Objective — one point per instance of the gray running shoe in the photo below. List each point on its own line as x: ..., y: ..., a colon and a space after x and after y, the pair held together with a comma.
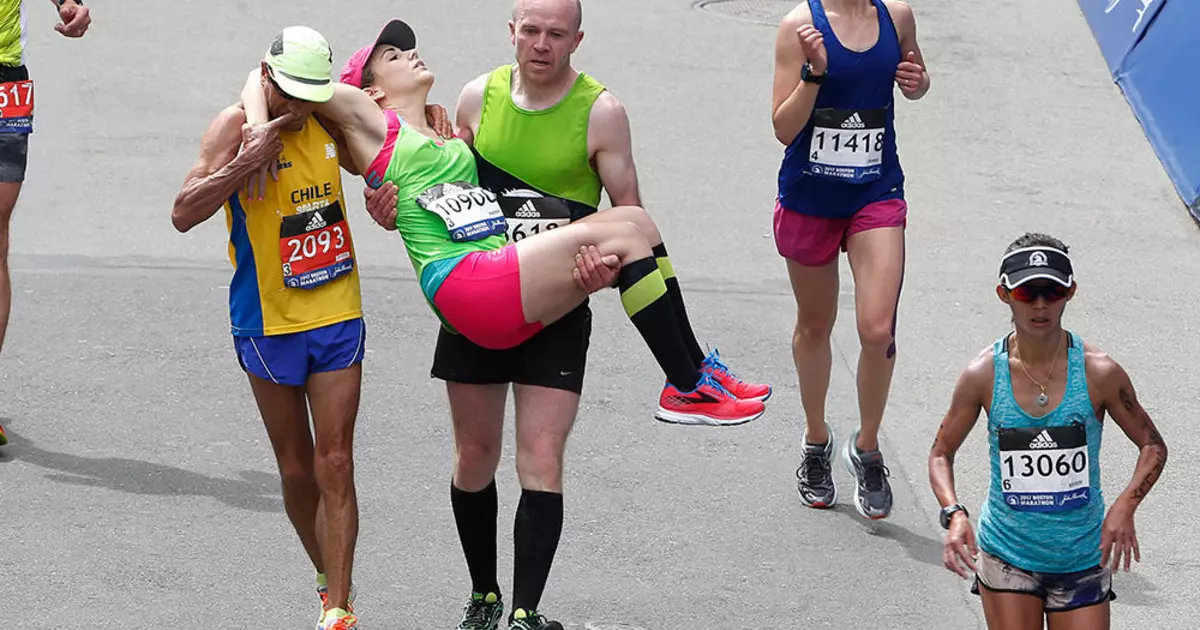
x: 814, y: 477
x: 872, y: 492
x: 482, y: 612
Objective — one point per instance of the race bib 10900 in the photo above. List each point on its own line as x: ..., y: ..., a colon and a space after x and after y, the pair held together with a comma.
x: 847, y: 144
x: 1045, y: 469
x: 470, y: 213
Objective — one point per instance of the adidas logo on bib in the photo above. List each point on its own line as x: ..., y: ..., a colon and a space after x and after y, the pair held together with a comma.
x: 316, y: 223
x: 854, y: 122
x: 527, y: 211
x: 1043, y: 440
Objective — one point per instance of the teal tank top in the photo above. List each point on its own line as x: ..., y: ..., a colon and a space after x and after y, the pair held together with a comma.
x: 1044, y: 510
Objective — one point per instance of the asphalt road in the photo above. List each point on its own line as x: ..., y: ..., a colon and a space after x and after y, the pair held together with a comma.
x: 139, y: 490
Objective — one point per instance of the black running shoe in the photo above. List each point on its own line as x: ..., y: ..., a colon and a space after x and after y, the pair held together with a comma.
x: 482, y: 612
x: 872, y: 492
x: 522, y: 619
x: 814, y: 477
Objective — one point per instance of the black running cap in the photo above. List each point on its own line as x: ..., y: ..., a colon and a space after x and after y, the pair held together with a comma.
x: 399, y: 34
x: 1036, y: 263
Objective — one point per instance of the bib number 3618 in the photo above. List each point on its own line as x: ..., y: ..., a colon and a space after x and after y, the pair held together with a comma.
x: 314, y: 247
x: 1045, y: 469
x: 16, y: 107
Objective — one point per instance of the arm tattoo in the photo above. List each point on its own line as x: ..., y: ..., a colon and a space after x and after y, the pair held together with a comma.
x: 1129, y: 401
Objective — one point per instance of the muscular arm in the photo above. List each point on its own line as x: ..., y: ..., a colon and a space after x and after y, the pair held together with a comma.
x: 611, y: 145
x: 217, y: 174
x: 906, y: 26
x: 1121, y: 403
x: 965, y: 405
x: 792, y: 100
x: 469, y: 109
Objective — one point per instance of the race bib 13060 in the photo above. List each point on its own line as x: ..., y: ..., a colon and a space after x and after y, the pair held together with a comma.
x: 1045, y: 469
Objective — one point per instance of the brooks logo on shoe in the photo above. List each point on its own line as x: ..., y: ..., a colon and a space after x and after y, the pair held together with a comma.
x: 1043, y: 440
x: 853, y: 122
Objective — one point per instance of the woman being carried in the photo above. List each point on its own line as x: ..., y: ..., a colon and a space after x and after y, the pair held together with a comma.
x: 498, y: 295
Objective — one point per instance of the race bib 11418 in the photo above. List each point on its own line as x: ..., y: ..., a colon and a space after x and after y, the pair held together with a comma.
x: 847, y: 144
x: 1045, y: 469
x: 470, y: 213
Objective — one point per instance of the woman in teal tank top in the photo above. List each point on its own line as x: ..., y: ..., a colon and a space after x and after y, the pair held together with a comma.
x: 1046, y: 551
x: 499, y: 295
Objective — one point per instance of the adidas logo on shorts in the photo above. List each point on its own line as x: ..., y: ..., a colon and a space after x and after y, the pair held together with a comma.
x: 1043, y: 440
x: 316, y: 223
x: 854, y: 122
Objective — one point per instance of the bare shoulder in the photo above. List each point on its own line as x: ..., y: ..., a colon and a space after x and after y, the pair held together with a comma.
x: 607, y: 112
x: 900, y: 10
x: 981, y: 370
x: 475, y: 87
x: 226, y: 127
x: 1103, y: 370
x: 797, y: 17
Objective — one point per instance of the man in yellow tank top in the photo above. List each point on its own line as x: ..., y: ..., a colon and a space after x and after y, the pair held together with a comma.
x: 294, y: 301
x: 16, y: 121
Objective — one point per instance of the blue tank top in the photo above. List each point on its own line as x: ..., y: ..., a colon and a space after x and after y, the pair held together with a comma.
x: 845, y: 157
x: 1044, y: 509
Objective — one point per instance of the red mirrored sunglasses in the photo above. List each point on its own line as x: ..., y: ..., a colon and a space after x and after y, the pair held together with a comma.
x: 1031, y: 291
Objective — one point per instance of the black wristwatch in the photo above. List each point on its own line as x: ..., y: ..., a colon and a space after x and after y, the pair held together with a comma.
x: 949, y: 511
x: 806, y: 74
x: 62, y: 2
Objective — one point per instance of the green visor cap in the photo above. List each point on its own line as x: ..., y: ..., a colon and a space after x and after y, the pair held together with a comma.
x: 301, y: 63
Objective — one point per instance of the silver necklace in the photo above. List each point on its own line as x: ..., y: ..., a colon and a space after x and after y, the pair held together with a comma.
x: 1043, y: 399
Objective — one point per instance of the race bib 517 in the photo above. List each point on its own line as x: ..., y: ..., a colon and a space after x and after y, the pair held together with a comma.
x: 16, y: 107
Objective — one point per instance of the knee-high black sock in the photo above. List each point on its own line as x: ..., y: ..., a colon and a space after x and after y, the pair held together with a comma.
x: 475, y: 516
x: 536, y: 531
x: 644, y: 295
x: 685, y: 326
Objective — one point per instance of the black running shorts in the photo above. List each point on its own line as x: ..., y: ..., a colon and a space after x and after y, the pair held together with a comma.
x: 14, y: 147
x: 555, y: 357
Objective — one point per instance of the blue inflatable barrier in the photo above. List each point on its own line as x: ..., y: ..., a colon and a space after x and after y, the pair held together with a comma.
x: 1153, y: 52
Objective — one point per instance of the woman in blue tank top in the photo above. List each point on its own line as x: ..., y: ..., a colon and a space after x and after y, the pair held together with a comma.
x: 841, y: 188
x: 1045, y: 551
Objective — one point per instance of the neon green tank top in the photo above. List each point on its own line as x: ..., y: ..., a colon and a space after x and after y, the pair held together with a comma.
x: 418, y: 164
x: 12, y: 32
x: 546, y: 148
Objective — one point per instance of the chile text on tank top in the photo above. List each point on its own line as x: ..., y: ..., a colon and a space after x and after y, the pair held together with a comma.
x: 845, y: 157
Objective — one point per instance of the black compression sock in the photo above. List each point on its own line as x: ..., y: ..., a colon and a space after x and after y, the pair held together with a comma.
x: 644, y: 295
x: 676, y: 295
x: 475, y: 516
x: 536, y: 531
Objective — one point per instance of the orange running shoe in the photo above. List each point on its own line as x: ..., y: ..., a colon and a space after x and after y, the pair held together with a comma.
x: 732, y: 384
x: 709, y: 404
